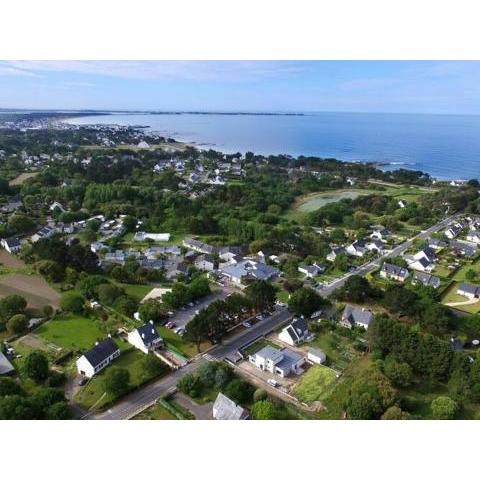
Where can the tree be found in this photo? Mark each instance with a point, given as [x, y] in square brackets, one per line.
[471, 275]
[87, 285]
[263, 410]
[117, 381]
[8, 386]
[59, 411]
[357, 289]
[17, 324]
[199, 288]
[260, 394]
[12, 305]
[305, 301]
[126, 305]
[152, 311]
[189, 385]
[239, 391]
[16, 407]
[35, 366]
[444, 408]
[399, 373]
[51, 270]
[151, 367]
[261, 294]
[395, 413]
[72, 302]
[107, 293]
[341, 262]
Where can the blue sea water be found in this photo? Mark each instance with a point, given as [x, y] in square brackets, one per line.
[445, 146]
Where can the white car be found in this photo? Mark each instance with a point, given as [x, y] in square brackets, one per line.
[272, 382]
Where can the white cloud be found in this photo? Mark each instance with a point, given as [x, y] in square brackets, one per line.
[152, 70]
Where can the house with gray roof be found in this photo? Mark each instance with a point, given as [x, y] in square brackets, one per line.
[467, 249]
[426, 279]
[226, 409]
[5, 366]
[294, 333]
[469, 290]
[282, 362]
[394, 272]
[145, 338]
[249, 270]
[311, 271]
[356, 317]
[97, 358]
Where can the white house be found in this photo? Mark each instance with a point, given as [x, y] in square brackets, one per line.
[315, 355]
[453, 231]
[474, 236]
[311, 271]
[11, 245]
[294, 333]
[157, 237]
[279, 362]
[143, 144]
[381, 234]
[469, 290]
[145, 338]
[226, 409]
[58, 205]
[357, 249]
[99, 357]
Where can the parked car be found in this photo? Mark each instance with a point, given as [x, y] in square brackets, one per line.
[171, 325]
[272, 382]
[247, 324]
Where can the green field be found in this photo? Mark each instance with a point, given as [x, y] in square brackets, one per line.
[156, 412]
[71, 332]
[316, 384]
[313, 201]
[177, 342]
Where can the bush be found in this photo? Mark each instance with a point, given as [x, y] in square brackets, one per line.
[17, 324]
[72, 302]
[260, 394]
[59, 411]
[189, 384]
[239, 391]
[444, 408]
[35, 366]
[8, 386]
[117, 381]
[263, 410]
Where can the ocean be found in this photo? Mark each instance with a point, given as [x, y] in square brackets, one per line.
[445, 146]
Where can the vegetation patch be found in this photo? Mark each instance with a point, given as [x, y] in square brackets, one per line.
[316, 384]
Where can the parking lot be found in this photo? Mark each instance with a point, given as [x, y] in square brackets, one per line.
[184, 315]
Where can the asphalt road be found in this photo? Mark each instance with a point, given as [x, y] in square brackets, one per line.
[326, 290]
[137, 401]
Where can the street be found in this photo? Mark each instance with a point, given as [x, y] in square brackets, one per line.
[326, 290]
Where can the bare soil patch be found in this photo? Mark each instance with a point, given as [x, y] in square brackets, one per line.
[10, 260]
[35, 289]
[23, 177]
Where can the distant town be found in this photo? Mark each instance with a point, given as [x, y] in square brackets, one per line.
[146, 278]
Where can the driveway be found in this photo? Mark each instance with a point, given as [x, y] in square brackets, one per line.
[201, 412]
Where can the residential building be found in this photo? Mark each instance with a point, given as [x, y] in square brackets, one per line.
[474, 236]
[206, 263]
[357, 249]
[466, 249]
[282, 362]
[145, 338]
[426, 279]
[295, 333]
[436, 244]
[336, 251]
[157, 237]
[469, 290]
[249, 270]
[381, 234]
[453, 231]
[356, 316]
[315, 355]
[5, 366]
[99, 357]
[45, 232]
[11, 245]
[226, 409]
[311, 271]
[198, 246]
[394, 272]
[56, 205]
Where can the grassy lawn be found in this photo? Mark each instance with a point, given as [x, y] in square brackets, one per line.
[442, 271]
[137, 291]
[282, 295]
[177, 342]
[255, 347]
[71, 332]
[156, 412]
[93, 393]
[315, 384]
[460, 274]
[452, 296]
[339, 350]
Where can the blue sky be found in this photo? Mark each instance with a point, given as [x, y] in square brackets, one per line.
[365, 86]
